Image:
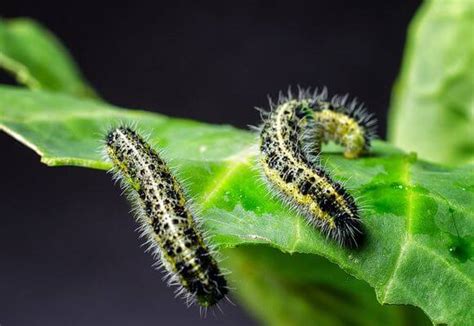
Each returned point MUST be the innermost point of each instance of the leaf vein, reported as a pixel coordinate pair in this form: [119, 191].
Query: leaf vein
[449, 266]
[404, 247]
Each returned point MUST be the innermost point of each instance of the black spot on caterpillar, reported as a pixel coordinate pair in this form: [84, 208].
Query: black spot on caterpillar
[290, 142]
[165, 218]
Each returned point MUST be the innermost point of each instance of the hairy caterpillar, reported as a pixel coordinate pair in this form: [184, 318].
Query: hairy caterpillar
[290, 141]
[165, 218]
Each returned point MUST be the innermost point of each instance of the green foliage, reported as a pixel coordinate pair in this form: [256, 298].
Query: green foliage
[38, 60]
[418, 216]
[433, 102]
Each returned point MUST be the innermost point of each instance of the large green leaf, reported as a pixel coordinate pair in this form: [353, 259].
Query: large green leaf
[419, 217]
[432, 109]
[38, 60]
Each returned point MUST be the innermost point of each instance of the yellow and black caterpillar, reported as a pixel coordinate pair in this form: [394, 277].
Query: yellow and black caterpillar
[290, 141]
[165, 218]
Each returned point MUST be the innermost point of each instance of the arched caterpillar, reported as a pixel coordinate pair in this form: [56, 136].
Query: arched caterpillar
[290, 142]
[165, 218]
[346, 123]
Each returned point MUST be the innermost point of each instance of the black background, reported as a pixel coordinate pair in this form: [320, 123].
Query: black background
[68, 253]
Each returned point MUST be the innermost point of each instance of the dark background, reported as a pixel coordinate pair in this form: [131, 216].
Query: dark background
[68, 253]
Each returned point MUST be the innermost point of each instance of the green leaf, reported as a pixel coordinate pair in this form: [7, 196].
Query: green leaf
[432, 110]
[419, 217]
[38, 60]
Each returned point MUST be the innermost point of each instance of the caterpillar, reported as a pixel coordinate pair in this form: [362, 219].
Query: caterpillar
[165, 217]
[290, 143]
[346, 123]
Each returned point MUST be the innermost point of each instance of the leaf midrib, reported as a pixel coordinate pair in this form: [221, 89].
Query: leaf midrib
[410, 243]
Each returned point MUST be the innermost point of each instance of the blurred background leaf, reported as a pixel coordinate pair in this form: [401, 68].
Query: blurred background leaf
[432, 110]
[38, 60]
[303, 289]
